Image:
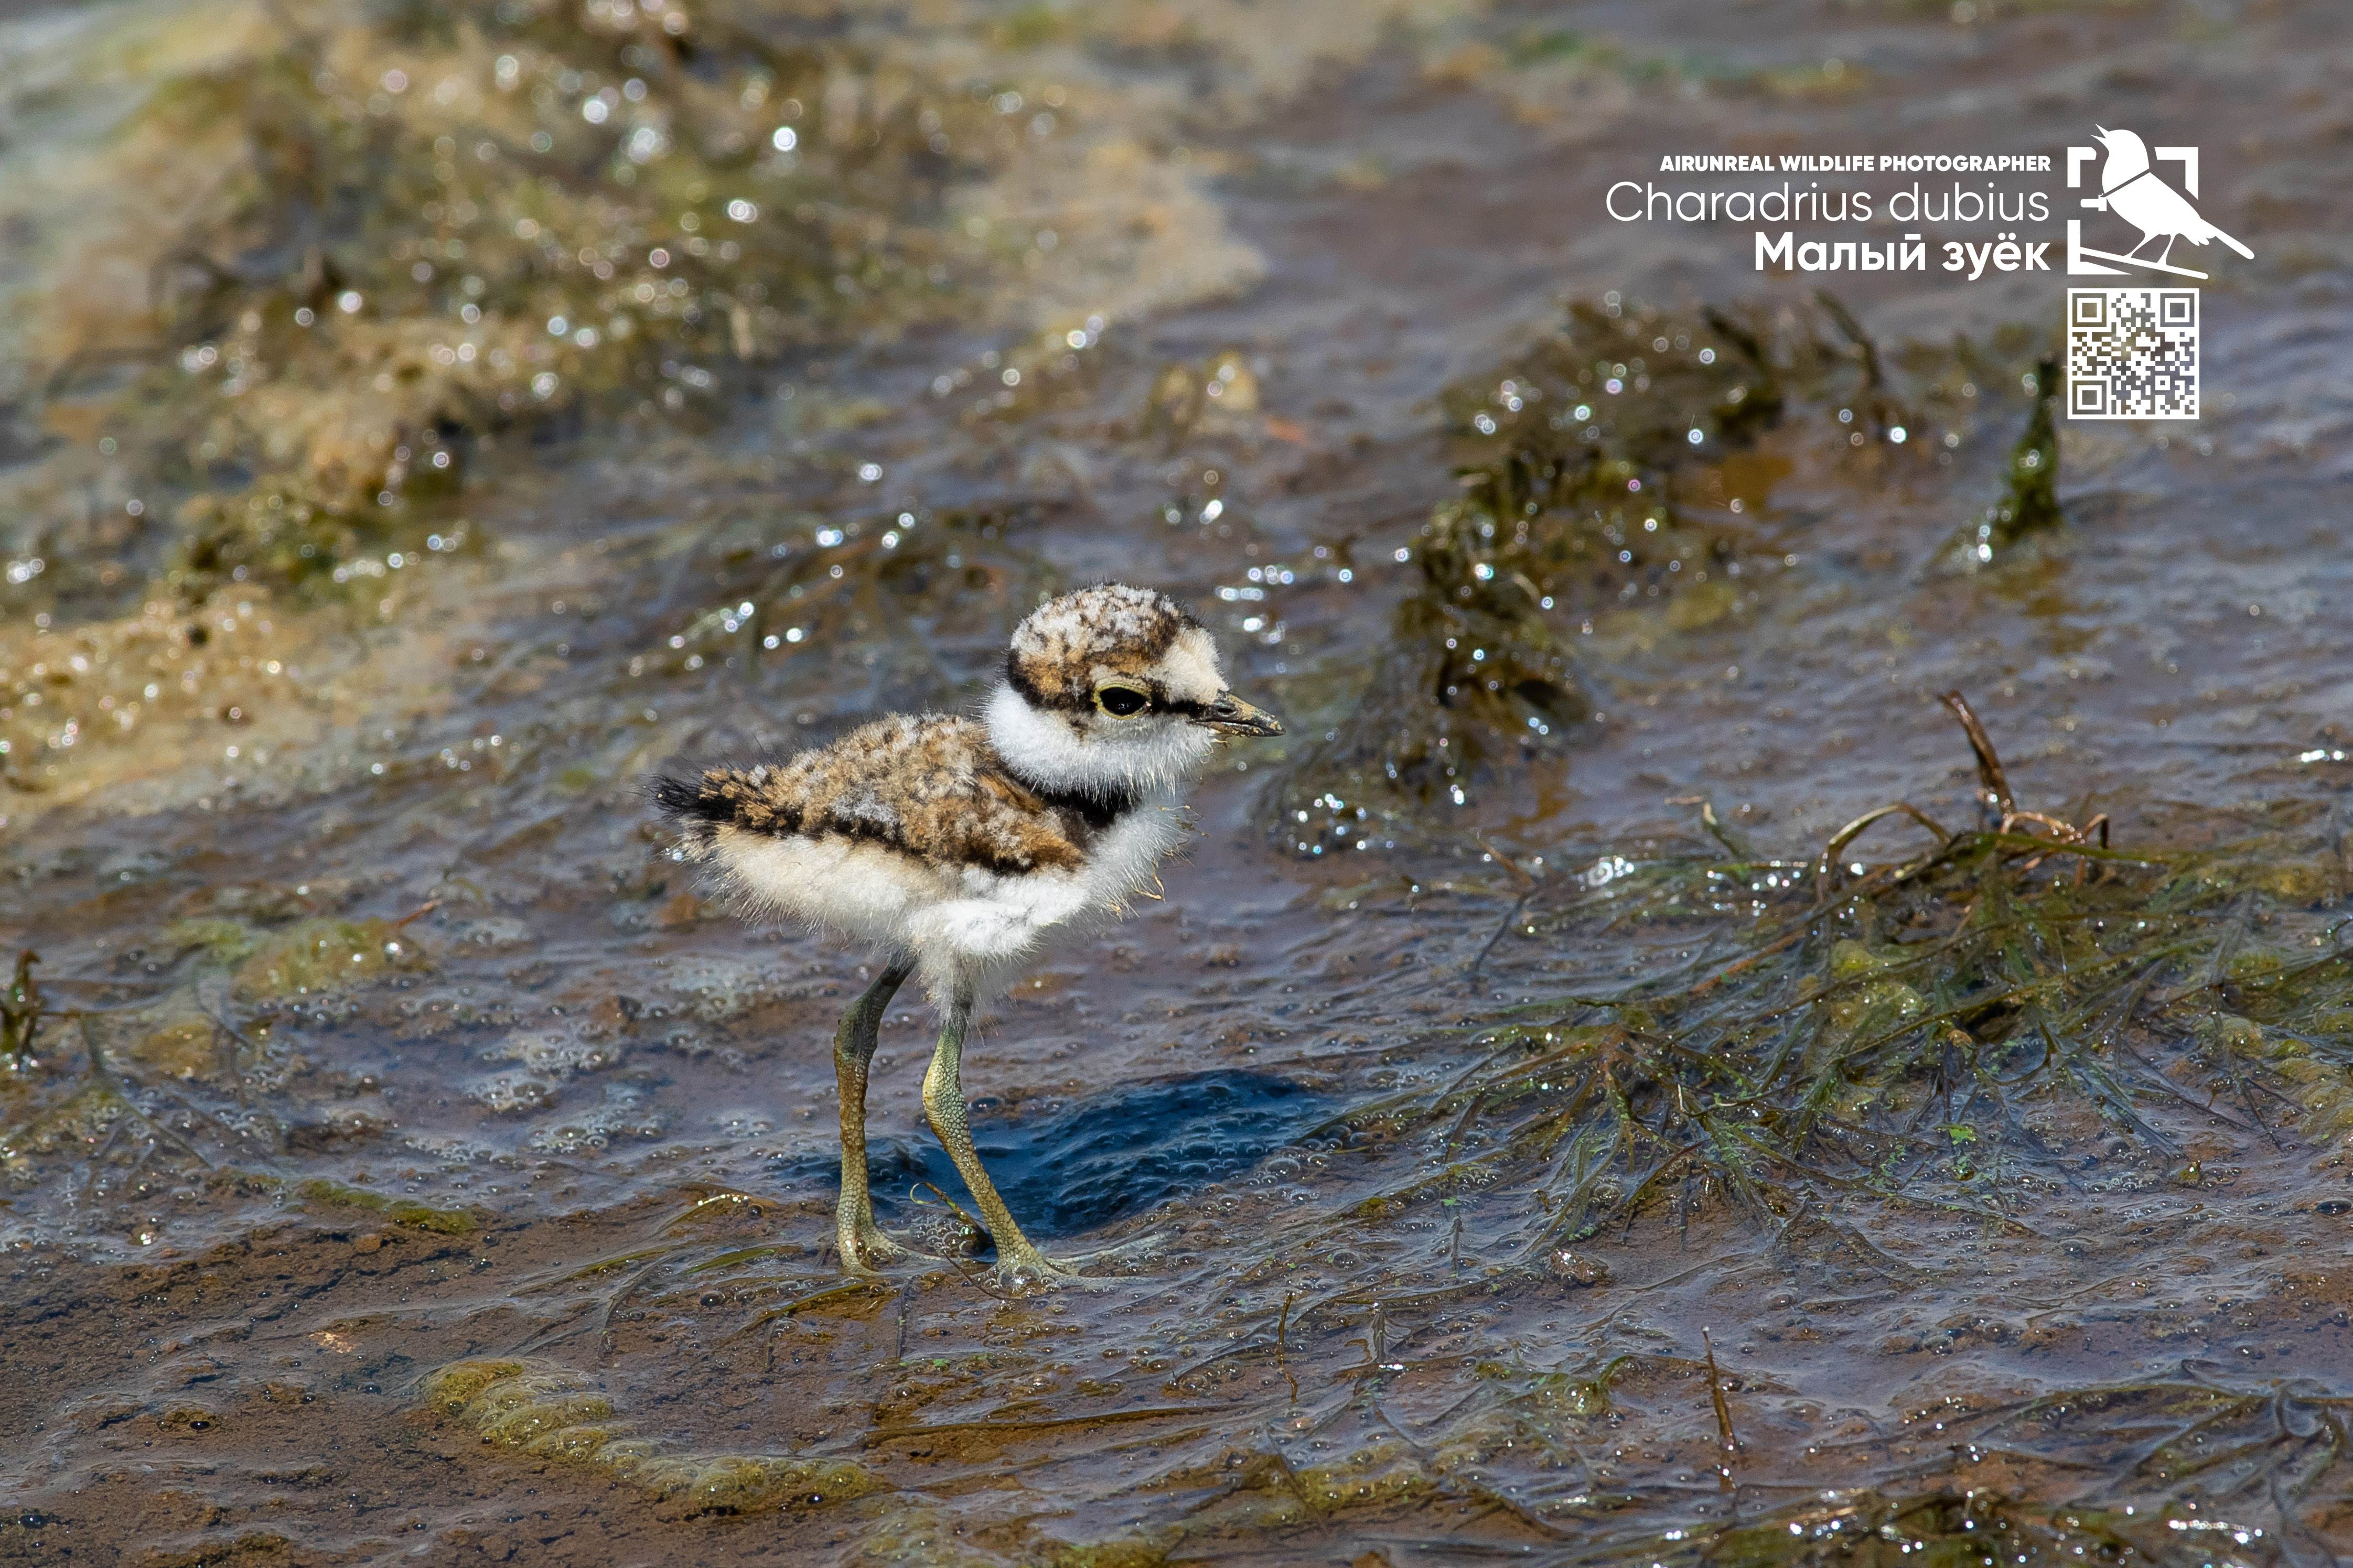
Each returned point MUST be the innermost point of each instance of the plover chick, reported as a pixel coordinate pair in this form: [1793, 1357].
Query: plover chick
[955, 850]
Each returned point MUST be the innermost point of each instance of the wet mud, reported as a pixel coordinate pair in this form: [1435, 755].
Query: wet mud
[1632, 1077]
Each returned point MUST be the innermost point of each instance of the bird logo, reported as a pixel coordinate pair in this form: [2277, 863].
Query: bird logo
[2130, 187]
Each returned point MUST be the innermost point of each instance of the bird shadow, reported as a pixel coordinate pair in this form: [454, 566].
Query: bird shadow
[1086, 1162]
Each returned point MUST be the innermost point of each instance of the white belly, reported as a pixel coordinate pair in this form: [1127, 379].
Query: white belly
[973, 929]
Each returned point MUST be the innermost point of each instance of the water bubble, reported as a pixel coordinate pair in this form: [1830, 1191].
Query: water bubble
[786, 138]
[349, 302]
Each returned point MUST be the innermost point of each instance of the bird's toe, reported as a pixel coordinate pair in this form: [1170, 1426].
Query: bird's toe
[1034, 1274]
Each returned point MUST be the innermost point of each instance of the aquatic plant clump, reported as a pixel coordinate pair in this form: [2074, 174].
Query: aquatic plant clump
[443, 219]
[1933, 1030]
[1592, 479]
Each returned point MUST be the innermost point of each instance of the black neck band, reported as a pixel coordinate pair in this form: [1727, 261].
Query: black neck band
[1098, 811]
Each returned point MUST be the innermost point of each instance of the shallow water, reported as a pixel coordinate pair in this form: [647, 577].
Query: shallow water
[428, 1171]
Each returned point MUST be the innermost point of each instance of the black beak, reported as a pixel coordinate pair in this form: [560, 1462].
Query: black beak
[1230, 715]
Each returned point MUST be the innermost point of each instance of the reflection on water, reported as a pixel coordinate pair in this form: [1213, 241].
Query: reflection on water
[1569, 1161]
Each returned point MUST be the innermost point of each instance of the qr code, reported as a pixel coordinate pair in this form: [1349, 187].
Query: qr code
[2132, 354]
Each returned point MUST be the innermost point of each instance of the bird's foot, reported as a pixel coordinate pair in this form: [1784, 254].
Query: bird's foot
[867, 1249]
[1026, 1271]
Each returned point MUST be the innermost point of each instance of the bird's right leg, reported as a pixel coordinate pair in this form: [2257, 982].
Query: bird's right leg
[1020, 1266]
[863, 1245]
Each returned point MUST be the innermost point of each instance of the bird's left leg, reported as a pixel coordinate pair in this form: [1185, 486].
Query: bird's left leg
[2168, 251]
[863, 1243]
[1019, 1265]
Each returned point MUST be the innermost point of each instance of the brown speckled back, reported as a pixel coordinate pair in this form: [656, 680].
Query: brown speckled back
[932, 788]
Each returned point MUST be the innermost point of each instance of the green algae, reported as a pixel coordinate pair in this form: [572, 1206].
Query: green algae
[444, 224]
[1897, 1028]
[1593, 472]
[1941, 1529]
[543, 1410]
[324, 954]
[1616, 477]
[304, 956]
[323, 1193]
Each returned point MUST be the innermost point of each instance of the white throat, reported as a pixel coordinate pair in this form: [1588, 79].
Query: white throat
[1158, 760]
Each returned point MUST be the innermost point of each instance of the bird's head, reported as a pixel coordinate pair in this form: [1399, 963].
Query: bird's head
[1114, 689]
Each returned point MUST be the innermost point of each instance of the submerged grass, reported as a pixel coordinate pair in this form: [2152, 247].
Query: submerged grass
[2028, 502]
[1616, 469]
[1926, 1030]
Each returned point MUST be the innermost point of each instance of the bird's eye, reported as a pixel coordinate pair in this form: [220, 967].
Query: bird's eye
[1122, 701]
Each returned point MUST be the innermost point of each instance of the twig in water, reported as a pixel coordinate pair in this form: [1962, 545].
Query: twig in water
[1527, 885]
[1376, 1338]
[1847, 835]
[1281, 1361]
[906, 1303]
[1993, 784]
[1731, 1445]
[1717, 827]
